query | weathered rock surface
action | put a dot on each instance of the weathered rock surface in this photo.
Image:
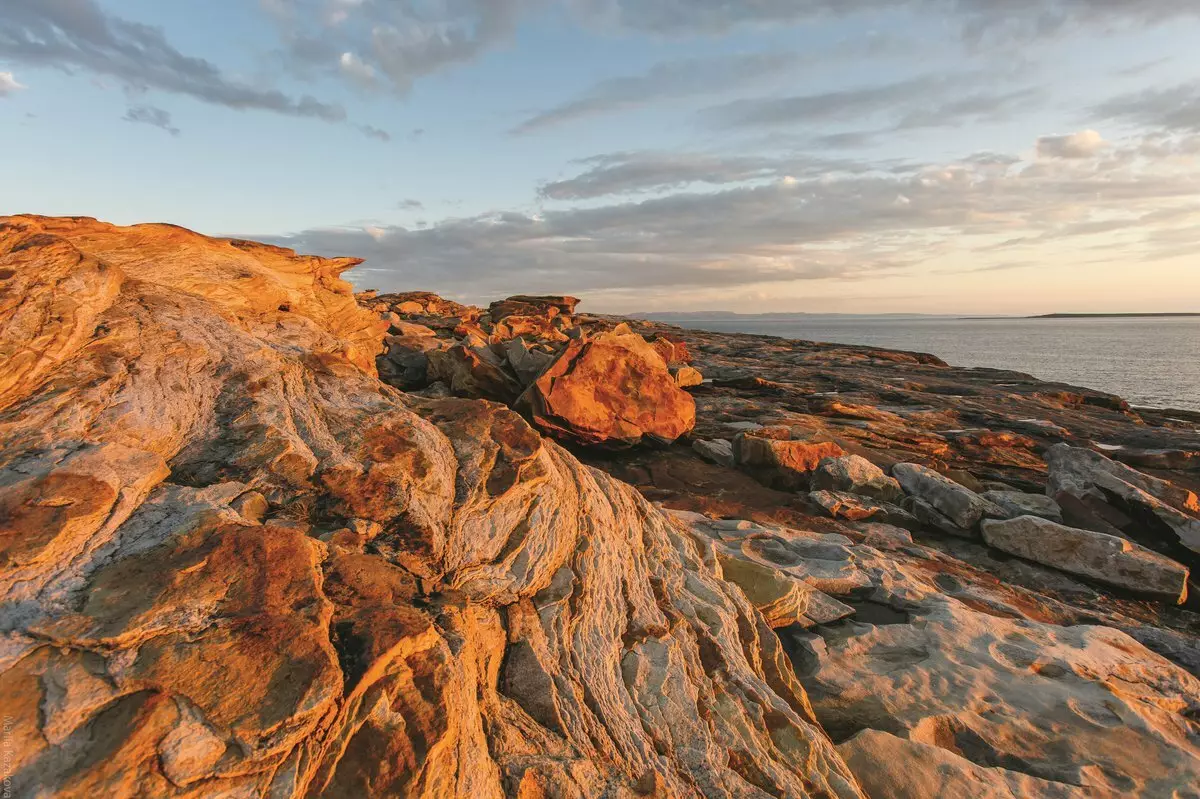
(1111, 560)
(1018, 503)
(1157, 507)
(440, 603)
(203, 484)
(612, 389)
(855, 474)
(960, 505)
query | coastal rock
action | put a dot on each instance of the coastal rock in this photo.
(775, 451)
(856, 475)
(612, 389)
(687, 377)
(718, 451)
(857, 508)
(1017, 503)
(960, 505)
(1156, 507)
(440, 603)
(1115, 561)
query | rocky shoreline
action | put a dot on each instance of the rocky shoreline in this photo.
(265, 537)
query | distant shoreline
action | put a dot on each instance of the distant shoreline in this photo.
(1109, 315)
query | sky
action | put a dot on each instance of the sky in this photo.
(848, 156)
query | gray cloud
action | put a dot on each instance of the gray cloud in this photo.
(395, 41)
(978, 18)
(1172, 108)
(925, 101)
(375, 133)
(634, 172)
(78, 34)
(149, 115)
(667, 80)
(848, 226)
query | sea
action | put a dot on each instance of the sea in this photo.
(1152, 362)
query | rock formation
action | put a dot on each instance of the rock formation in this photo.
(260, 536)
(238, 564)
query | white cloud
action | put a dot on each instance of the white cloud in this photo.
(8, 84)
(356, 69)
(1084, 144)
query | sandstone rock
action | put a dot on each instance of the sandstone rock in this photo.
(487, 616)
(674, 353)
(1016, 503)
(405, 364)
(771, 449)
(901, 768)
(718, 451)
(1065, 710)
(687, 377)
(474, 372)
(857, 508)
(856, 475)
(960, 505)
(1110, 560)
(782, 600)
(613, 389)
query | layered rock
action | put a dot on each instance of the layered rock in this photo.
(437, 601)
(1106, 558)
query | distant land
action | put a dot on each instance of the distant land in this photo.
(714, 316)
(1109, 315)
(717, 316)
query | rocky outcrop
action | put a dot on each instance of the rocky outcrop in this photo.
(1106, 558)
(237, 564)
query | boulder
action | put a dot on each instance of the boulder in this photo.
(960, 505)
(856, 475)
(857, 508)
(775, 450)
(718, 451)
(1104, 558)
(527, 362)
(611, 389)
(405, 364)
(1017, 503)
(1157, 509)
(473, 371)
(686, 376)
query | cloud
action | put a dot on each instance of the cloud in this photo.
(410, 205)
(8, 84)
(375, 133)
(149, 115)
(1085, 144)
(635, 172)
(850, 226)
(977, 18)
(924, 101)
(393, 41)
(1174, 108)
(78, 34)
(666, 80)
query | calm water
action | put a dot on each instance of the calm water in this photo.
(1149, 362)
